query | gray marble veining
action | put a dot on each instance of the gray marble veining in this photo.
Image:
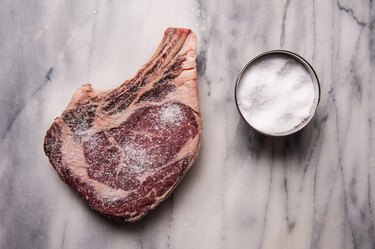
(314, 189)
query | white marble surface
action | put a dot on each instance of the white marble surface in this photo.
(315, 189)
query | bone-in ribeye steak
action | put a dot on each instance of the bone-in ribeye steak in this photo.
(125, 150)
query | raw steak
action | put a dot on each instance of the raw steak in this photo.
(125, 150)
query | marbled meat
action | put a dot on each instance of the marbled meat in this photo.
(125, 150)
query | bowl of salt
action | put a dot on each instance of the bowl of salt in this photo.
(277, 93)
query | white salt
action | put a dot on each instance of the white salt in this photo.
(276, 94)
(170, 114)
(136, 157)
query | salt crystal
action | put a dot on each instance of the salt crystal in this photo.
(136, 157)
(276, 94)
(170, 114)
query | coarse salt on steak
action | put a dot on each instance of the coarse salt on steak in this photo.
(125, 150)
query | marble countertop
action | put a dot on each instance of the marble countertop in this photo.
(314, 189)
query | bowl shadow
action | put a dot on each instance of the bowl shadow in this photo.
(294, 146)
